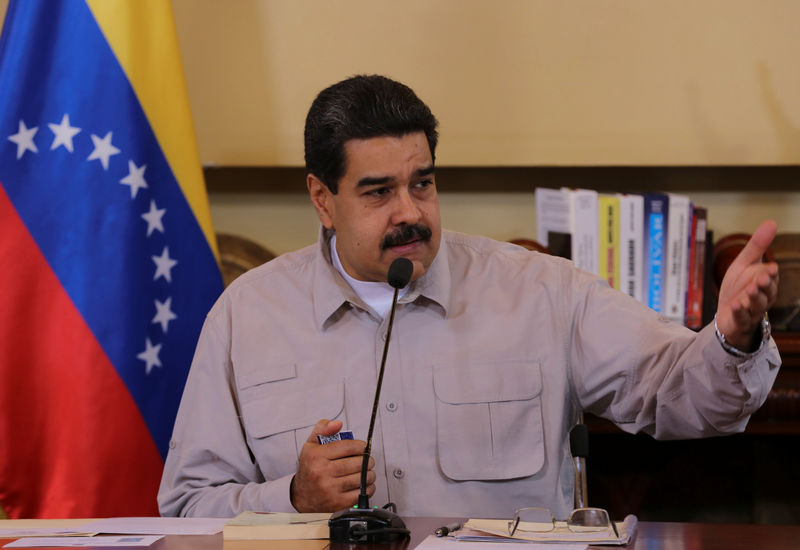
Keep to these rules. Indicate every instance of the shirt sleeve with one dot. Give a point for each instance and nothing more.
(210, 471)
(646, 373)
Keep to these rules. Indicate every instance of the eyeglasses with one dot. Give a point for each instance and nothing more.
(580, 520)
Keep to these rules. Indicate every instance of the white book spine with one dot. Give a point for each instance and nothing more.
(676, 280)
(631, 237)
(583, 222)
(552, 212)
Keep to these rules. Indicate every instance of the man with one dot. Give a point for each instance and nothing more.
(495, 350)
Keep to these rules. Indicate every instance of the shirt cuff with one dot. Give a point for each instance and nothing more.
(275, 495)
(766, 331)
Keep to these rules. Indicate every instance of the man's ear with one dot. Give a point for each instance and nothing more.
(322, 199)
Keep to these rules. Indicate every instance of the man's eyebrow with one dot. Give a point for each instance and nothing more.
(425, 171)
(368, 181)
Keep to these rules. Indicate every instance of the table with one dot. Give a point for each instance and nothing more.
(650, 536)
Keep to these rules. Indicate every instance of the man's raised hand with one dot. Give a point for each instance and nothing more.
(328, 476)
(748, 290)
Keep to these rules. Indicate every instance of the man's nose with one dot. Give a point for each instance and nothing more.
(405, 209)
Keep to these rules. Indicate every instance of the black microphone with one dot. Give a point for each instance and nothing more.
(579, 447)
(362, 523)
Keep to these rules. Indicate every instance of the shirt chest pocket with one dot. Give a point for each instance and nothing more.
(489, 420)
(279, 412)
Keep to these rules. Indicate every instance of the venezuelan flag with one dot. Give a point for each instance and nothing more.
(107, 255)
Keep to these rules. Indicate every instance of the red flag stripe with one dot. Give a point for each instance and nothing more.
(71, 437)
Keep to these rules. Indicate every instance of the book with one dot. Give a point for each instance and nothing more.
(656, 207)
(631, 238)
(552, 213)
(608, 239)
(676, 257)
(276, 526)
(709, 286)
(583, 227)
(697, 268)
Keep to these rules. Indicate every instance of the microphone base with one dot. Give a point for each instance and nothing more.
(366, 525)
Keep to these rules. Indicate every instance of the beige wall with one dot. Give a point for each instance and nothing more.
(513, 82)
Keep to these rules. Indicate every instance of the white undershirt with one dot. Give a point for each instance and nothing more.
(376, 295)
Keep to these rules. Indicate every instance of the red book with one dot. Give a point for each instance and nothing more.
(697, 268)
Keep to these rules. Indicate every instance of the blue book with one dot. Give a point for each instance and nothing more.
(656, 209)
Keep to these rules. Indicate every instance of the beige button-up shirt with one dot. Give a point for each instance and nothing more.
(494, 352)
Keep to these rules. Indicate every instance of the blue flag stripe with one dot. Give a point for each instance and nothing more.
(87, 219)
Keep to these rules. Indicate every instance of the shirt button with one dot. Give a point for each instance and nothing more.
(391, 406)
(398, 473)
(172, 444)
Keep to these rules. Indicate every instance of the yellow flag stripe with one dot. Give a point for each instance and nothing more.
(142, 35)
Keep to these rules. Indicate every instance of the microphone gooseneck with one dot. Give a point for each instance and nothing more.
(399, 275)
(360, 523)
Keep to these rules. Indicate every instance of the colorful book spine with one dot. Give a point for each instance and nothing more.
(608, 239)
(697, 269)
(631, 238)
(656, 208)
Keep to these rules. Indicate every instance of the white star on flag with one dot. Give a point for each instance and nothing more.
(24, 139)
(150, 355)
(154, 218)
(164, 313)
(103, 149)
(64, 133)
(135, 178)
(164, 265)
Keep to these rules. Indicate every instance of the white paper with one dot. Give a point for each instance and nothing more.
(128, 540)
(156, 526)
(433, 542)
(42, 532)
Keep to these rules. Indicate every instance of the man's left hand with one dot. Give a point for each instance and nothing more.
(748, 290)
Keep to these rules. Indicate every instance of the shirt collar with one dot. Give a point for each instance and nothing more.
(434, 286)
(332, 295)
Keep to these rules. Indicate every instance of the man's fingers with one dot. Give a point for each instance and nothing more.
(344, 467)
(342, 449)
(353, 481)
(324, 427)
(757, 245)
(353, 484)
(351, 464)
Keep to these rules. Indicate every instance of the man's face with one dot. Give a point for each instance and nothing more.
(386, 206)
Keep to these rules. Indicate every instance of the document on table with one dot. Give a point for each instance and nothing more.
(12, 529)
(496, 530)
(452, 543)
(156, 526)
(17, 532)
(106, 542)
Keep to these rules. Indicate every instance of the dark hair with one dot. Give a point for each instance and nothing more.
(360, 107)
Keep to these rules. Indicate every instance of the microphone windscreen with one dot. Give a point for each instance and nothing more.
(400, 272)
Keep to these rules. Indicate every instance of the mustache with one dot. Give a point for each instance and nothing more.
(406, 234)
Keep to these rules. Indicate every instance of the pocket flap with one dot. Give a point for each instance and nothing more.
(293, 410)
(507, 381)
(257, 374)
